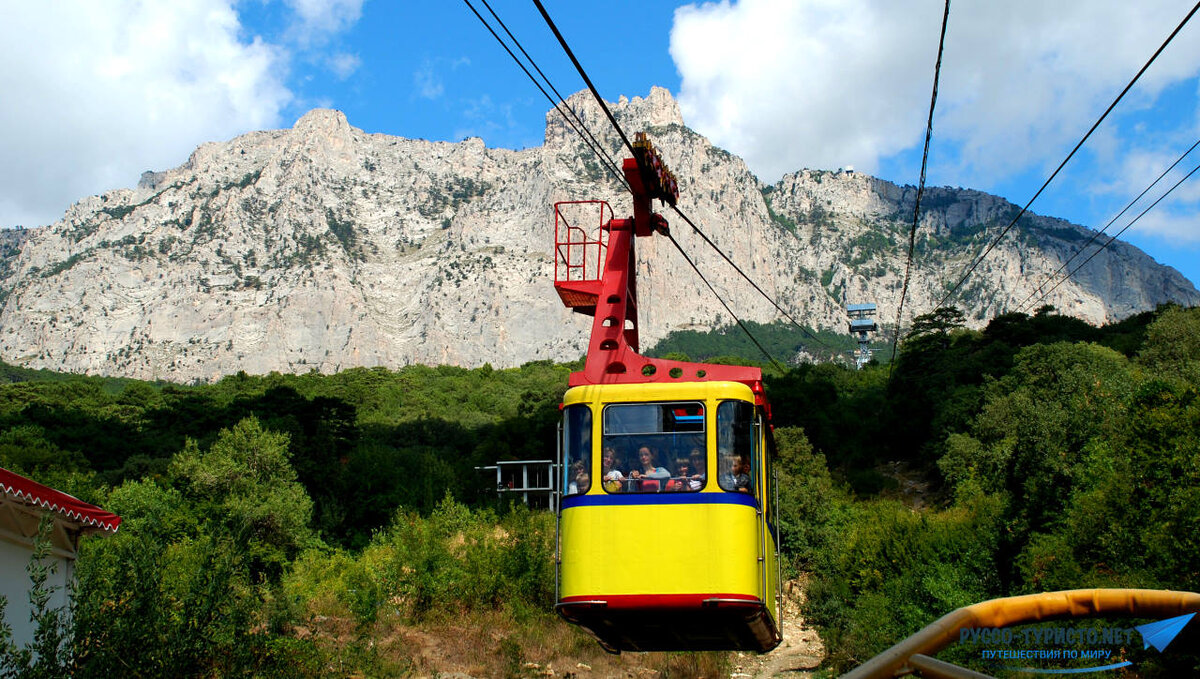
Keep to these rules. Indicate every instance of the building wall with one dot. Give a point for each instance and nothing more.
(15, 586)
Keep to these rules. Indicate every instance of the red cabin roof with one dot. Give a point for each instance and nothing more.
(31, 492)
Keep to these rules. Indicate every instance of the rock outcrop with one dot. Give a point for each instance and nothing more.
(323, 248)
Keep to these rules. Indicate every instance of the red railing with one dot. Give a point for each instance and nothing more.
(580, 246)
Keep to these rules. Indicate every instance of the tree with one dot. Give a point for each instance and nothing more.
(939, 321)
(245, 484)
(1172, 345)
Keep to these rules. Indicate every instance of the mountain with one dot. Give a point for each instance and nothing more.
(323, 247)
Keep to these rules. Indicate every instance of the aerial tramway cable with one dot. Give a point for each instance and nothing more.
(593, 144)
(583, 74)
(598, 148)
(760, 291)
(1070, 155)
(722, 301)
(1110, 240)
(1097, 234)
(912, 233)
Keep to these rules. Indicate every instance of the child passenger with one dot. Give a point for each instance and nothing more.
(611, 477)
(686, 477)
(580, 481)
(736, 476)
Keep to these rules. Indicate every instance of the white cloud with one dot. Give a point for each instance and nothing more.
(826, 83)
(317, 20)
(1173, 227)
(343, 65)
(1133, 171)
(95, 93)
(1174, 218)
(427, 82)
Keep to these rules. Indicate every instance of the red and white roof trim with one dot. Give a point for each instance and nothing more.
(31, 492)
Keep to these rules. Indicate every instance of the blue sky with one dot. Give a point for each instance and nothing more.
(95, 93)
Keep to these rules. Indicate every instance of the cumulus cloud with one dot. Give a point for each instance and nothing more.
(427, 82)
(1174, 217)
(343, 65)
(315, 21)
(1136, 170)
(96, 93)
(790, 84)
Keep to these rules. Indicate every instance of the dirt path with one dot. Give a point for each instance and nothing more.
(800, 653)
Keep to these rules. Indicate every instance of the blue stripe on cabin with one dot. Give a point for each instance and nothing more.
(685, 498)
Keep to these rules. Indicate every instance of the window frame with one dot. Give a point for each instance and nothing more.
(586, 434)
(754, 453)
(606, 441)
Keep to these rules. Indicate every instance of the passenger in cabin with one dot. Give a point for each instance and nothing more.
(610, 476)
(735, 473)
(650, 470)
(680, 480)
(741, 474)
(580, 481)
(697, 464)
(685, 478)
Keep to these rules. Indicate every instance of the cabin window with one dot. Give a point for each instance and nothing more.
(654, 447)
(737, 447)
(577, 449)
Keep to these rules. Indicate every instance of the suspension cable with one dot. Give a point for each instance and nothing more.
(598, 148)
(722, 301)
(749, 280)
(1070, 155)
(1113, 238)
(608, 163)
(579, 67)
(1097, 234)
(912, 233)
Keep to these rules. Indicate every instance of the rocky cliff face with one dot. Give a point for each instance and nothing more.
(323, 248)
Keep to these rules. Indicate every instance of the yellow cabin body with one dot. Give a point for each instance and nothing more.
(667, 538)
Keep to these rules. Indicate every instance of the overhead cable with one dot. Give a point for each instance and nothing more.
(1118, 234)
(1070, 155)
(748, 279)
(912, 233)
(722, 301)
(583, 74)
(605, 160)
(1097, 234)
(598, 148)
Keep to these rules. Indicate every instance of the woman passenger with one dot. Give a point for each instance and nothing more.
(650, 468)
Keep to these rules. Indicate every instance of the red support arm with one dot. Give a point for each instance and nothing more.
(612, 356)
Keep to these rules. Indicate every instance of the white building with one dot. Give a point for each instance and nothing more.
(23, 503)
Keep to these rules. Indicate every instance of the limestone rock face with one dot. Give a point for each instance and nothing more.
(323, 248)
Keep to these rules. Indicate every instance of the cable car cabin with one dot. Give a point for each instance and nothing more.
(667, 520)
(667, 537)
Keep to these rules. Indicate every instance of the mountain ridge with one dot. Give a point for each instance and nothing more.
(323, 247)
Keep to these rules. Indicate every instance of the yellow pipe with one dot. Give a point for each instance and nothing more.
(1019, 610)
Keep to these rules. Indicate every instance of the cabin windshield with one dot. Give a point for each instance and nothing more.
(577, 449)
(654, 447)
(737, 447)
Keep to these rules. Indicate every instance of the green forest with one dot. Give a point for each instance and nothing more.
(332, 525)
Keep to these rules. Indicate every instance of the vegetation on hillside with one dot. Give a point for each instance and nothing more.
(783, 341)
(311, 525)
